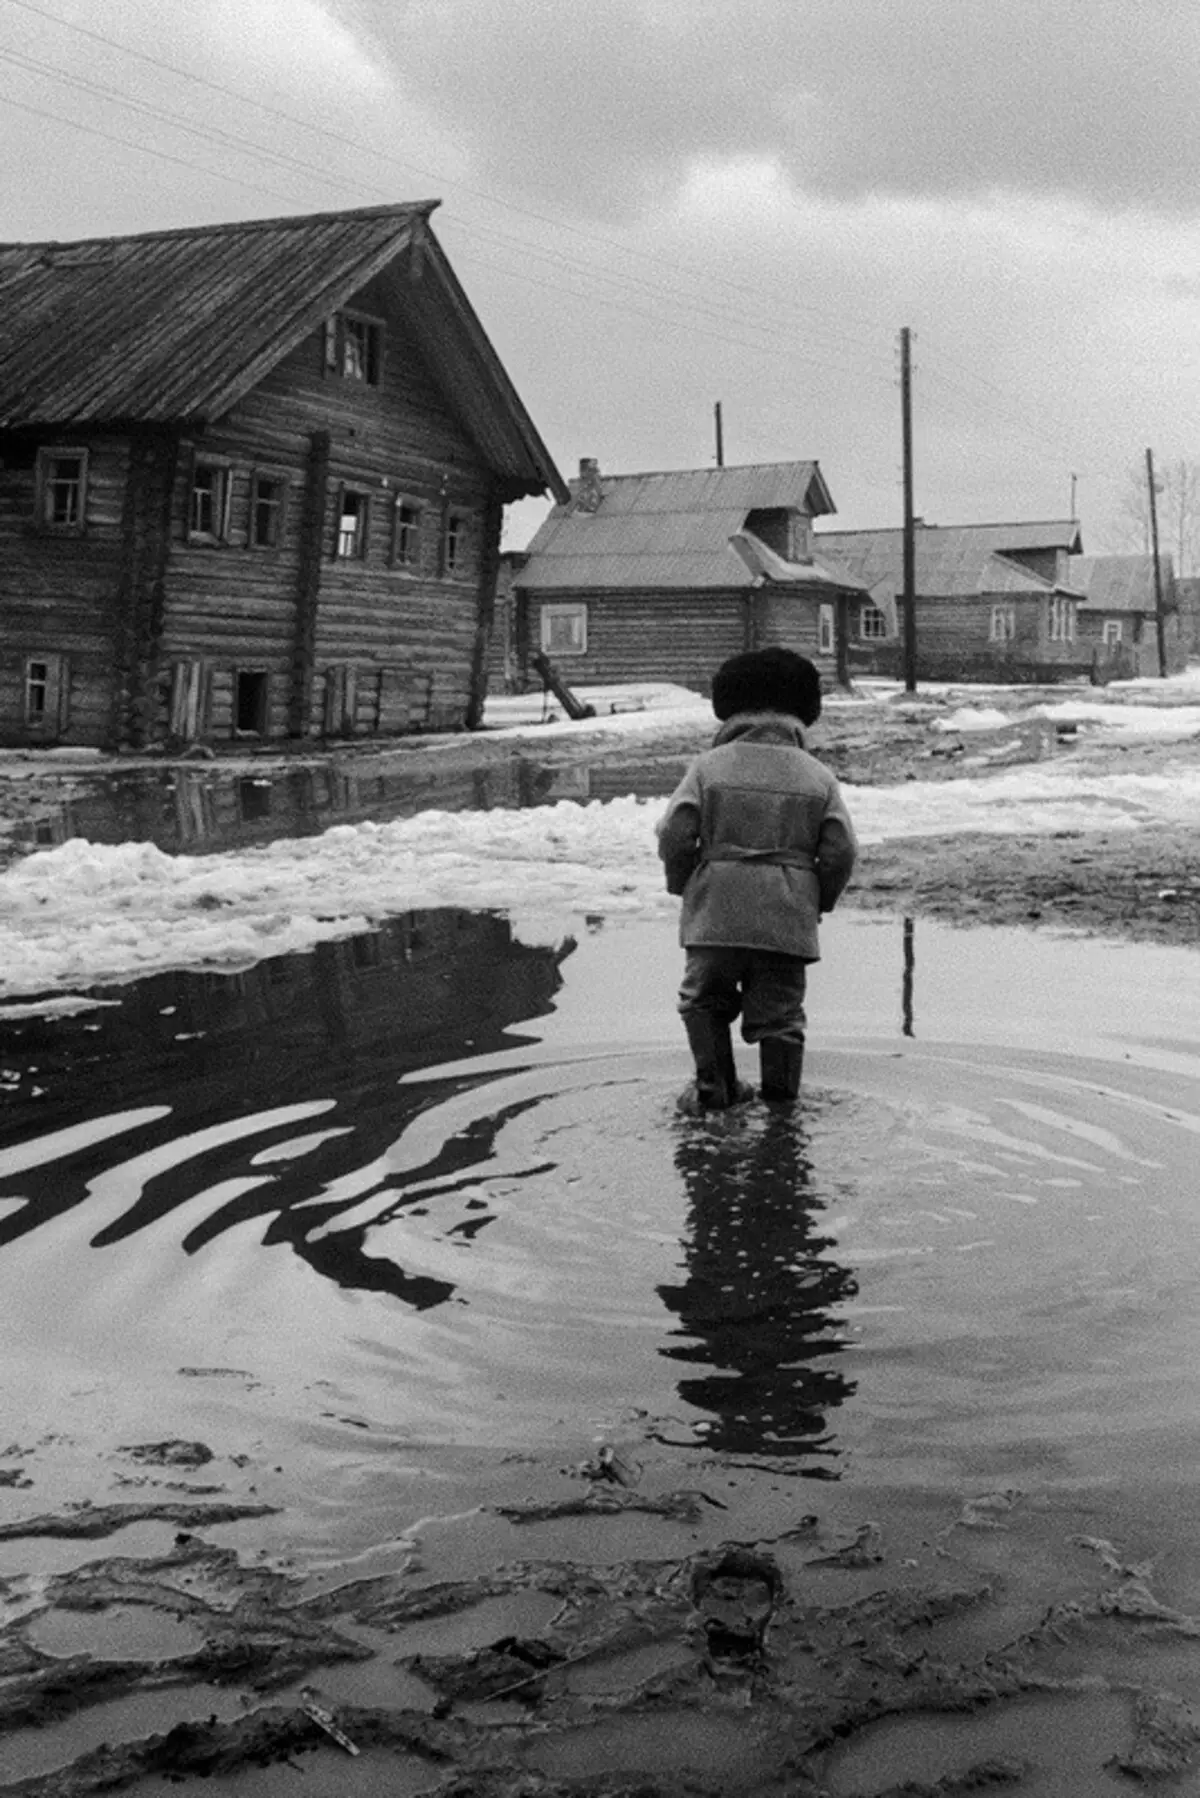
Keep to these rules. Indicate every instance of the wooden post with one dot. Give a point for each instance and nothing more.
(141, 594)
(308, 585)
(493, 521)
(910, 557)
(1159, 622)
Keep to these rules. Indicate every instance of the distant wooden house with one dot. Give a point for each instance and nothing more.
(662, 576)
(1118, 615)
(251, 483)
(994, 602)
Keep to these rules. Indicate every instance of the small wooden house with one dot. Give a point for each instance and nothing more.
(994, 602)
(251, 484)
(663, 576)
(1119, 615)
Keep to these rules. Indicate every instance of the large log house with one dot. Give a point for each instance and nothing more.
(251, 484)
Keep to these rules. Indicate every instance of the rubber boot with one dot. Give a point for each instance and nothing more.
(712, 1051)
(781, 1063)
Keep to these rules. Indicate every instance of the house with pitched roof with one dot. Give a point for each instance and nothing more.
(1119, 615)
(251, 484)
(663, 576)
(993, 601)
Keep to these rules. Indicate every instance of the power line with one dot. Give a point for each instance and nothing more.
(691, 270)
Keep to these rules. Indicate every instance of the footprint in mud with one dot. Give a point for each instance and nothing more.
(735, 1594)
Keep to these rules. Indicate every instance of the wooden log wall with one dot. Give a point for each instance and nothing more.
(411, 631)
(646, 636)
(57, 590)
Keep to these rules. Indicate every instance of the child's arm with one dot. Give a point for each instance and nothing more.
(837, 850)
(679, 833)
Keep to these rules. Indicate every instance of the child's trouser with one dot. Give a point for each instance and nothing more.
(767, 991)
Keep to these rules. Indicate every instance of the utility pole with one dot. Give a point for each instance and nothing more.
(1073, 479)
(910, 546)
(1159, 623)
(720, 435)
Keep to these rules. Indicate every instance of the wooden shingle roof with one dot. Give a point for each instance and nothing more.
(950, 559)
(177, 326)
(1120, 583)
(665, 531)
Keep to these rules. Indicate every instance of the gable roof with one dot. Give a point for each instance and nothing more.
(667, 530)
(950, 559)
(177, 326)
(1120, 583)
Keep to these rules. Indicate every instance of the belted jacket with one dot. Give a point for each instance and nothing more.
(757, 839)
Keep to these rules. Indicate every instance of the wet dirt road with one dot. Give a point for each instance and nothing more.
(376, 1336)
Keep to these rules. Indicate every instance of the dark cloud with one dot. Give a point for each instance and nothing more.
(600, 105)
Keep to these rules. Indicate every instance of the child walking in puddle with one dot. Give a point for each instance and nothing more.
(758, 841)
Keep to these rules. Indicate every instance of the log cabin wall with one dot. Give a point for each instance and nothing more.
(57, 591)
(954, 642)
(390, 642)
(643, 636)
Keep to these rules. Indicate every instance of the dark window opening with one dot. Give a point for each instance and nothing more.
(64, 491)
(407, 549)
(352, 525)
(354, 348)
(266, 512)
(455, 542)
(250, 703)
(37, 692)
(209, 513)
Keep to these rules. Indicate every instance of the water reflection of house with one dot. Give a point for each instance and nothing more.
(342, 1021)
(662, 576)
(251, 483)
(993, 601)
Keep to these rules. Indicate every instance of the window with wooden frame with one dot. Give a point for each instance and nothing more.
(872, 622)
(456, 543)
(1003, 626)
(354, 348)
(46, 686)
(208, 503)
(825, 631)
(268, 509)
(353, 525)
(61, 478)
(563, 629)
(1061, 618)
(406, 534)
(1112, 632)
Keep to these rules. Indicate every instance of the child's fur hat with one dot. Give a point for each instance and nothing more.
(767, 680)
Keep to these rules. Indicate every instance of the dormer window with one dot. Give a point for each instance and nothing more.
(783, 530)
(354, 348)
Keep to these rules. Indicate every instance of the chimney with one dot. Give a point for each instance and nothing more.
(589, 490)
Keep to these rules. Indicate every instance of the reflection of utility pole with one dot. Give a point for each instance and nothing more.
(1159, 622)
(910, 598)
(910, 965)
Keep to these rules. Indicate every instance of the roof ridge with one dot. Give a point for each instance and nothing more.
(289, 221)
(655, 474)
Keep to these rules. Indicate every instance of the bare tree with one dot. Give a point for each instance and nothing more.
(1178, 499)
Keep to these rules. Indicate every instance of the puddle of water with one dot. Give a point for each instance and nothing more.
(117, 1633)
(721, 1753)
(611, 1674)
(28, 1752)
(40, 1555)
(975, 1253)
(1065, 1740)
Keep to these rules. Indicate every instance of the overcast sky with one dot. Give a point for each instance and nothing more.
(656, 205)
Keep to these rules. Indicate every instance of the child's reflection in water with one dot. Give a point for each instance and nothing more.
(757, 1290)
